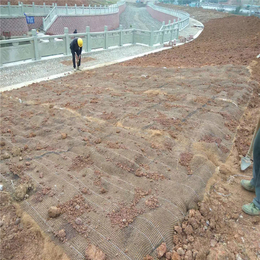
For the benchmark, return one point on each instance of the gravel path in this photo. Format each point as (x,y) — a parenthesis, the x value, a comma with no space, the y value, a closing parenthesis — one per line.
(29,71)
(136,16)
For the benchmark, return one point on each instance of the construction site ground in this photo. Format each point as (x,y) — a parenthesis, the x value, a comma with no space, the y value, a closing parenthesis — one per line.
(137,160)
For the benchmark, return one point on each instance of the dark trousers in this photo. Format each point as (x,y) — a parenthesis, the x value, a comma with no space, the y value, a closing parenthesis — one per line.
(256,169)
(74,59)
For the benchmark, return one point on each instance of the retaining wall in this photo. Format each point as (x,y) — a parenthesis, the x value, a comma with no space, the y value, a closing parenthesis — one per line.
(96,23)
(122,8)
(37,23)
(16,26)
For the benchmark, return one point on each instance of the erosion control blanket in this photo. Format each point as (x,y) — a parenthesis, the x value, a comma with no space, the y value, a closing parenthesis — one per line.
(119,153)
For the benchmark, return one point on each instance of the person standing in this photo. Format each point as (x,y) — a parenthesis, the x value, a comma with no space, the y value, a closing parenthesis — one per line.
(76,49)
(253,208)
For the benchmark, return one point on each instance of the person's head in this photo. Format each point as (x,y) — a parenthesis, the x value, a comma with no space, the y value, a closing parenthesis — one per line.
(80,42)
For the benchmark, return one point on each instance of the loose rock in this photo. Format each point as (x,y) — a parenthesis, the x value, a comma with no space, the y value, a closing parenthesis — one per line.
(6,156)
(64,135)
(62,233)
(175,256)
(16,151)
(78,221)
(168,255)
(180,251)
(17,221)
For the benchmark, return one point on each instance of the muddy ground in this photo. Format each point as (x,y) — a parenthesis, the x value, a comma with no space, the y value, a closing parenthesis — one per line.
(121,149)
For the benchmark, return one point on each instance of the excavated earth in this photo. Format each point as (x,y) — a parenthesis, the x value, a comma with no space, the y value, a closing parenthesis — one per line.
(139,160)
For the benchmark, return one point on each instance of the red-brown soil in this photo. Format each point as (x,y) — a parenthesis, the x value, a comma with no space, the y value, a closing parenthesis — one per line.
(83,60)
(21,238)
(223,41)
(121,147)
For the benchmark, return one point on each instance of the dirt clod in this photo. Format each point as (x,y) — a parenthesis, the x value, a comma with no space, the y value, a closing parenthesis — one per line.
(161,250)
(94,253)
(54,212)
(6,156)
(64,135)
(175,256)
(20,191)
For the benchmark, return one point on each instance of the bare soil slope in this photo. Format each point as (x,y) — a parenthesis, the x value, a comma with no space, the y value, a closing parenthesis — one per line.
(230,40)
(219,228)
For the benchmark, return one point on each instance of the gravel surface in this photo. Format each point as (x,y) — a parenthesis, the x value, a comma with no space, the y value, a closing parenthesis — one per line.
(28,71)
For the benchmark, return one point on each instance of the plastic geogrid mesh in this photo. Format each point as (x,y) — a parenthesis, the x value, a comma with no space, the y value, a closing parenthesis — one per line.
(123,152)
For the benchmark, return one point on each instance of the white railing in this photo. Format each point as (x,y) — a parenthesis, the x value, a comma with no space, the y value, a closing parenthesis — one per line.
(19,10)
(36,47)
(37,10)
(49,19)
(182,18)
(180,14)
